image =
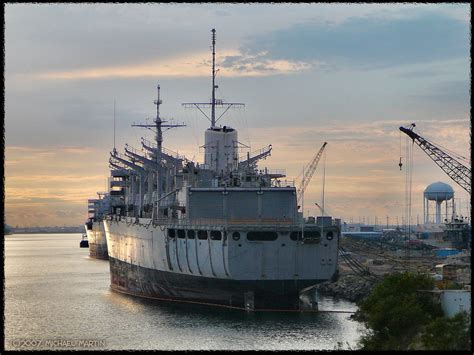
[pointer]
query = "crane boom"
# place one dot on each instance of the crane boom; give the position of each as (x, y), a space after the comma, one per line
(309, 171)
(457, 171)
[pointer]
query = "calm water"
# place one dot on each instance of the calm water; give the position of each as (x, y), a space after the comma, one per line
(55, 293)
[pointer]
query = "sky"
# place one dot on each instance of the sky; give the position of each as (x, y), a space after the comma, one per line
(347, 74)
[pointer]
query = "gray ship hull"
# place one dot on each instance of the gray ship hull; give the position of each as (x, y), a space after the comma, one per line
(97, 240)
(168, 286)
(244, 274)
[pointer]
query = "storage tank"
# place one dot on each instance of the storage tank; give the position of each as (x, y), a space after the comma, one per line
(221, 152)
(438, 192)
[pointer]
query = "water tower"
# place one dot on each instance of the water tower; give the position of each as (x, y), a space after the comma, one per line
(438, 192)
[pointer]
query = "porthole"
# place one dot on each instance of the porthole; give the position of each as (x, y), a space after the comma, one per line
(202, 235)
(262, 236)
(329, 235)
(295, 236)
(216, 235)
(236, 236)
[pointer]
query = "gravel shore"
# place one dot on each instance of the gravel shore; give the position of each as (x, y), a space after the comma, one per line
(350, 287)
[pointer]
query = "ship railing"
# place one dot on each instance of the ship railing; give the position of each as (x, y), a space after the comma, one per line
(149, 143)
(204, 166)
(140, 152)
(133, 149)
(283, 183)
(274, 171)
(167, 151)
(253, 154)
(122, 156)
(214, 222)
(173, 154)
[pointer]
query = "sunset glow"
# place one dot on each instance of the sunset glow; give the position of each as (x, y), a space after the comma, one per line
(348, 75)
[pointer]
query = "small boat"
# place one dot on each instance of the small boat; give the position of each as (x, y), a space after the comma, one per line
(84, 243)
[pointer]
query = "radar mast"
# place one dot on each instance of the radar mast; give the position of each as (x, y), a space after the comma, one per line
(214, 102)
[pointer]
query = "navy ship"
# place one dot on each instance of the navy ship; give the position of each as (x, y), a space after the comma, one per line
(222, 232)
(97, 209)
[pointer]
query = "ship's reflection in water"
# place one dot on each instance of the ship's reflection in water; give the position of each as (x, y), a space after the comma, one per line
(54, 292)
(206, 327)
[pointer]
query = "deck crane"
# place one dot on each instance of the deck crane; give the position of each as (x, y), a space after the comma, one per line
(309, 171)
(460, 173)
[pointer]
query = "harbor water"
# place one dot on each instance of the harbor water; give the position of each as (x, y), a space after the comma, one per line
(57, 297)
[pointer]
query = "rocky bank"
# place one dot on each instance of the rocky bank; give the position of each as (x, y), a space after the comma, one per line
(350, 287)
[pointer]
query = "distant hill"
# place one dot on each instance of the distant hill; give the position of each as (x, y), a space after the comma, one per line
(7, 229)
(75, 229)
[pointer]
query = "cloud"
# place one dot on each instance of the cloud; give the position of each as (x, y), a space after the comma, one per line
(197, 65)
(368, 42)
(223, 13)
(85, 35)
(259, 65)
(58, 148)
(446, 92)
(297, 68)
(362, 173)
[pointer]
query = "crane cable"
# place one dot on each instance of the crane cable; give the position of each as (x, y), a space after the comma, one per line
(400, 163)
(408, 188)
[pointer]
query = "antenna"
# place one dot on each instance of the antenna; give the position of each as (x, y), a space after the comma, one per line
(324, 181)
(114, 125)
(214, 101)
(213, 107)
(158, 125)
(159, 140)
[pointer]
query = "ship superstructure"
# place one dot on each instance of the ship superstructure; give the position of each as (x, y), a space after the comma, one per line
(222, 232)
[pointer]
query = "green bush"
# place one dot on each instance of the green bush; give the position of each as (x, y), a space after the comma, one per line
(396, 311)
(448, 333)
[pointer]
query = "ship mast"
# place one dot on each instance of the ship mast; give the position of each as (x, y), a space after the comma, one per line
(213, 106)
(158, 127)
(158, 122)
(214, 101)
(159, 143)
